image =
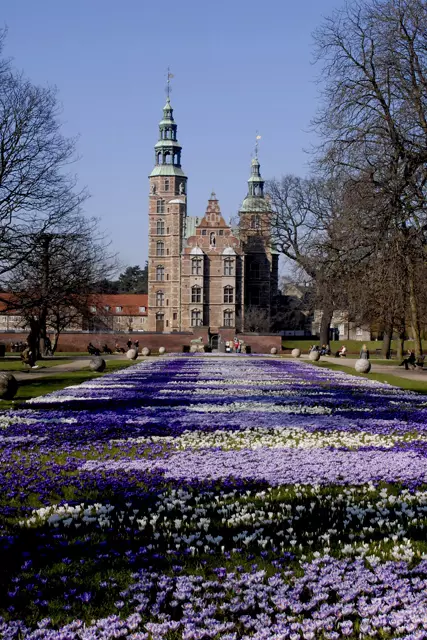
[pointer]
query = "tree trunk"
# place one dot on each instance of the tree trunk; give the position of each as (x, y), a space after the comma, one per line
(325, 323)
(34, 339)
(415, 320)
(388, 333)
(55, 342)
(401, 342)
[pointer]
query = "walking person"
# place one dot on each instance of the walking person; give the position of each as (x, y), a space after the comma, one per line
(410, 361)
(129, 343)
(364, 353)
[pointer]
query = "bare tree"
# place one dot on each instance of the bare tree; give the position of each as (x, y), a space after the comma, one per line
(304, 221)
(55, 284)
(373, 118)
(36, 191)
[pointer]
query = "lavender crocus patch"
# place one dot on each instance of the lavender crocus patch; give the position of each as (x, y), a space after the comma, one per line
(226, 498)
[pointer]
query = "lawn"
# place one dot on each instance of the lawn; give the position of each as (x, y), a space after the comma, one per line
(228, 498)
(15, 364)
(353, 346)
(33, 388)
(389, 378)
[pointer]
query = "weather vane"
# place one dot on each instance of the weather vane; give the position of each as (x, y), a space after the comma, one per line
(169, 77)
(257, 138)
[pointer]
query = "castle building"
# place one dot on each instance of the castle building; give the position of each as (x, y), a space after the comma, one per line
(201, 272)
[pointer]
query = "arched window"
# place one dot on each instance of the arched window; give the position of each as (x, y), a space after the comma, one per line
(168, 158)
(228, 266)
(212, 239)
(159, 158)
(196, 318)
(196, 294)
(160, 227)
(167, 184)
(228, 295)
(196, 266)
(160, 299)
(160, 206)
(160, 248)
(255, 222)
(160, 273)
(228, 318)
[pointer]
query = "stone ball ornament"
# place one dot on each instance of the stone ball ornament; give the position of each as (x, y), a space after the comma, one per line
(273, 351)
(296, 353)
(8, 386)
(132, 354)
(362, 365)
(162, 350)
(97, 364)
(314, 356)
(145, 351)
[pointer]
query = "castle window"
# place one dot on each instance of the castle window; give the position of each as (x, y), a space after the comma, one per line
(228, 295)
(254, 270)
(196, 266)
(168, 158)
(228, 266)
(160, 206)
(142, 309)
(221, 232)
(160, 273)
(196, 295)
(203, 232)
(160, 227)
(167, 184)
(160, 298)
(228, 318)
(254, 297)
(196, 318)
(160, 248)
(255, 222)
(119, 309)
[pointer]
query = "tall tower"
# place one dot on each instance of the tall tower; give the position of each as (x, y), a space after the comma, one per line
(261, 260)
(167, 213)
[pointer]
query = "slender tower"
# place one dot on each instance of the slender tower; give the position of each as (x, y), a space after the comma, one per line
(261, 259)
(167, 213)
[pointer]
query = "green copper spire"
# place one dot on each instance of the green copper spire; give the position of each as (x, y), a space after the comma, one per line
(255, 200)
(167, 149)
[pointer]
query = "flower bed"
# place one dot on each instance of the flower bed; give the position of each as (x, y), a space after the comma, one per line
(225, 498)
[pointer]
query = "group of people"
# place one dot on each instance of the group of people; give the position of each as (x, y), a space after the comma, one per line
(325, 350)
(94, 351)
(18, 347)
(234, 345)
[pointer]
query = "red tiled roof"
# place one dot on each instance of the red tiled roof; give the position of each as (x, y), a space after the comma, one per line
(130, 303)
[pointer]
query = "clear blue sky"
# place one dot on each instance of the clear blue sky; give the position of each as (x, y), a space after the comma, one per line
(239, 66)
